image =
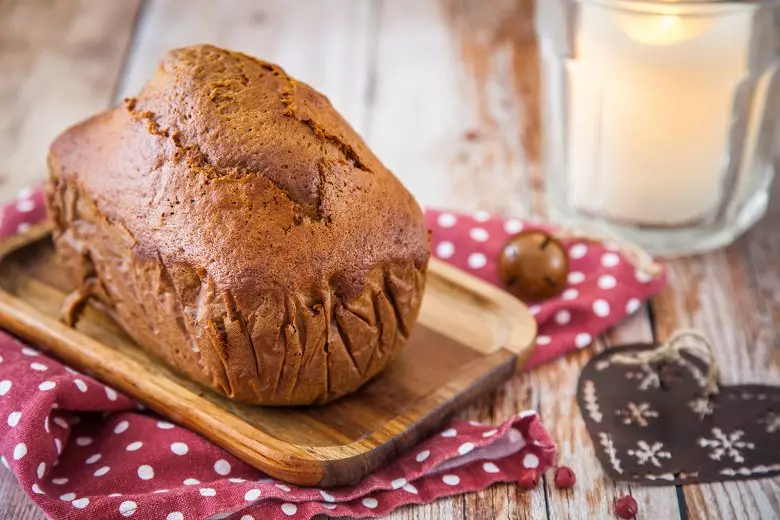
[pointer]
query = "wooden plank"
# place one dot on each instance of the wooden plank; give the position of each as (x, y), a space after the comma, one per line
(60, 62)
(324, 44)
(732, 296)
(448, 105)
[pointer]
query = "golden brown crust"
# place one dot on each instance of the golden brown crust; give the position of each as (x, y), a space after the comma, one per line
(237, 227)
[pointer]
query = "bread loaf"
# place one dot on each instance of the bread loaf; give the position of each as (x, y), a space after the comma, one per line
(237, 227)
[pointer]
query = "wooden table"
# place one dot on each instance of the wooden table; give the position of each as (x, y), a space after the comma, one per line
(436, 88)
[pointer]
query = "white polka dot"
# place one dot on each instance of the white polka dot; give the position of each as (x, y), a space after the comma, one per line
(81, 385)
(160, 491)
(327, 497)
(370, 503)
(543, 340)
(47, 385)
(534, 309)
(13, 419)
(409, 488)
(513, 226)
(643, 276)
(179, 448)
(289, 509)
(1, 359)
(62, 423)
(208, 492)
(83, 441)
(489, 433)
(489, 467)
(284, 488)
(111, 394)
(477, 261)
(398, 483)
(481, 215)
(164, 425)
(422, 455)
(610, 259)
(25, 205)
(219, 516)
(475, 423)
(191, 482)
(570, 294)
(633, 305)
(67, 497)
(465, 448)
(451, 480)
(176, 515)
(575, 277)
(530, 461)
(562, 317)
(121, 427)
(479, 235)
(58, 445)
(27, 351)
(37, 490)
(447, 220)
(5, 386)
(145, 472)
(80, 503)
(20, 450)
(445, 249)
(449, 432)
(582, 340)
(40, 367)
(247, 517)
(601, 308)
(59, 481)
(46, 424)
(330, 507)
(127, 508)
(222, 467)
(607, 281)
(578, 250)
(236, 480)
(25, 193)
(101, 471)
(41, 470)
(252, 494)
(93, 458)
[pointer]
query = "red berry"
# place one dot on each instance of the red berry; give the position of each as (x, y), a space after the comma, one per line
(564, 478)
(528, 480)
(626, 507)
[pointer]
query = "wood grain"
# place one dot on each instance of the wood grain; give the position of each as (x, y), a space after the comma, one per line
(441, 371)
(444, 112)
(60, 61)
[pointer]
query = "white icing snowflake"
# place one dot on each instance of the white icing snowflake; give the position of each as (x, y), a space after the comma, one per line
(729, 445)
(772, 422)
(648, 378)
(636, 413)
(609, 448)
(648, 453)
(702, 406)
(591, 401)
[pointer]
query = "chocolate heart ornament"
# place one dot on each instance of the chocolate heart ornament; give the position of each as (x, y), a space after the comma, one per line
(656, 415)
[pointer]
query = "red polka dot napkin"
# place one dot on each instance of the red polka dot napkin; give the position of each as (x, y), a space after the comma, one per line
(604, 287)
(83, 451)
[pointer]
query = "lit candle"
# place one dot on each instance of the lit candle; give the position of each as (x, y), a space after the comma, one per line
(650, 99)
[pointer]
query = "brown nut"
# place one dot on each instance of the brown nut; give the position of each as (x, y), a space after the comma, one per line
(534, 266)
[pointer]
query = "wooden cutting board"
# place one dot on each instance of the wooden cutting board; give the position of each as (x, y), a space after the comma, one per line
(470, 338)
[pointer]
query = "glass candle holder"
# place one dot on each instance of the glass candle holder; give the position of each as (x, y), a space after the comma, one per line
(659, 118)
